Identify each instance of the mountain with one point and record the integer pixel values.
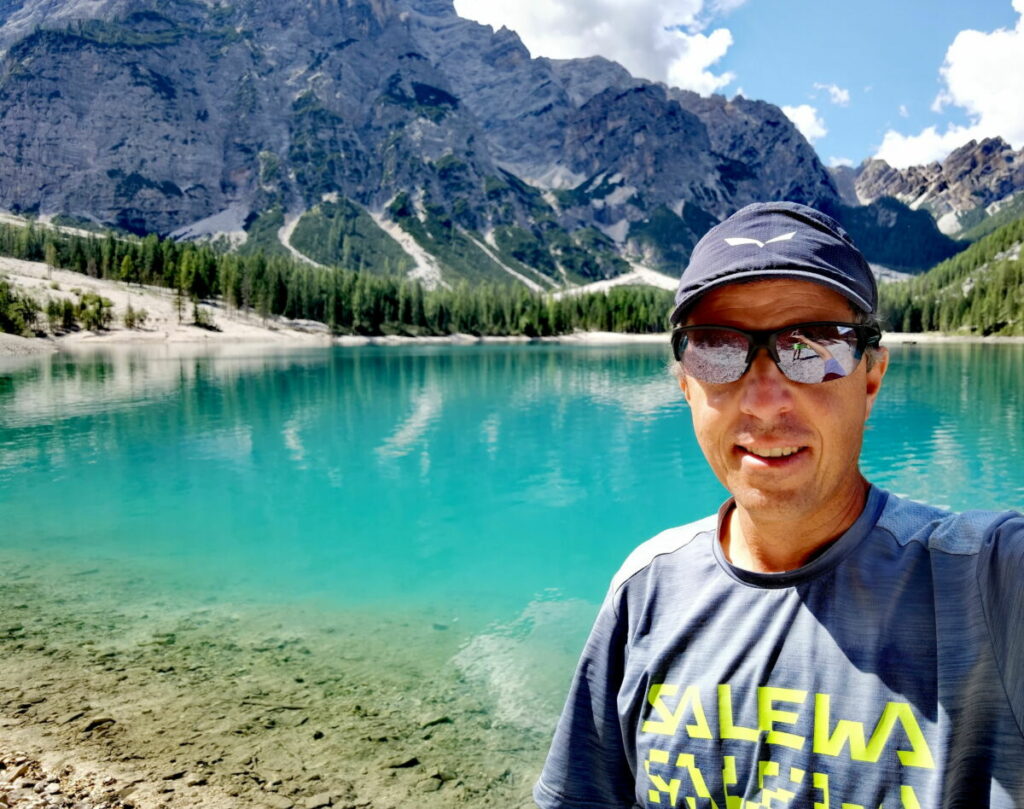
(974, 190)
(980, 291)
(387, 135)
(895, 236)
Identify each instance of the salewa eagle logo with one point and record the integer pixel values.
(738, 240)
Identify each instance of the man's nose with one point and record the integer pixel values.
(766, 392)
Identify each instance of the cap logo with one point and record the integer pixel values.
(735, 241)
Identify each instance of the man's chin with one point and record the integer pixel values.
(771, 501)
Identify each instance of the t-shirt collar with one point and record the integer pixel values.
(837, 551)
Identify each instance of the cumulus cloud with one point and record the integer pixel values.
(904, 112)
(650, 38)
(836, 94)
(806, 119)
(983, 75)
(834, 162)
(926, 146)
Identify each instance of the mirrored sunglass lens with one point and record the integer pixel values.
(714, 355)
(817, 353)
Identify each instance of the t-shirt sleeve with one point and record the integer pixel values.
(587, 766)
(1001, 580)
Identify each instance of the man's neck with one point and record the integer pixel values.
(769, 544)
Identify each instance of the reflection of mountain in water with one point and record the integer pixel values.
(464, 477)
(426, 407)
(58, 387)
(524, 664)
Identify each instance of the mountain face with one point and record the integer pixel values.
(360, 129)
(972, 184)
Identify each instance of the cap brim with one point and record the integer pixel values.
(750, 276)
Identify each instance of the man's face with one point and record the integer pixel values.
(737, 423)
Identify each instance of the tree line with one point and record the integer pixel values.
(980, 290)
(349, 302)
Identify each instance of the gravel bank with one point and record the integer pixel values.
(11, 345)
(112, 697)
(27, 783)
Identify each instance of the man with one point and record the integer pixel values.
(819, 643)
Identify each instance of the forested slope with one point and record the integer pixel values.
(349, 302)
(978, 291)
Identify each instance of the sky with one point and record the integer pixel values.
(906, 81)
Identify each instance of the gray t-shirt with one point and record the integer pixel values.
(889, 671)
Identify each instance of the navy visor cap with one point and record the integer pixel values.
(769, 240)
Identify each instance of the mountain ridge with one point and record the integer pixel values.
(187, 117)
(961, 191)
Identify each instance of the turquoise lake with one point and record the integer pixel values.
(484, 486)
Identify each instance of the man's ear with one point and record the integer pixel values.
(683, 386)
(874, 378)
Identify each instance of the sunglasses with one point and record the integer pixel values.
(804, 352)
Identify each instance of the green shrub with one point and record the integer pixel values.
(61, 314)
(95, 312)
(134, 318)
(18, 312)
(202, 318)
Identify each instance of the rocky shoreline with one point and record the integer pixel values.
(27, 783)
(114, 699)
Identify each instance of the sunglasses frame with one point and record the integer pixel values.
(867, 337)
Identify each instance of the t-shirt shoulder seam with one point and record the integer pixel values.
(666, 542)
(928, 546)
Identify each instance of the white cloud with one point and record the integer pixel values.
(983, 75)
(725, 6)
(806, 119)
(650, 39)
(840, 161)
(929, 145)
(689, 68)
(836, 94)
(904, 113)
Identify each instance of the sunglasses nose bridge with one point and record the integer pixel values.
(755, 342)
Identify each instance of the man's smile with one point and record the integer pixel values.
(762, 456)
(772, 452)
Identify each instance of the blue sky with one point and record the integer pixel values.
(906, 80)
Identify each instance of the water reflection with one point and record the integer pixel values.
(949, 425)
(355, 474)
(475, 476)
(426, 407)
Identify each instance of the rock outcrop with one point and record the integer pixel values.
(972, 183)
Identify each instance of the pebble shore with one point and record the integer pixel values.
(113, 696)
(27, 784)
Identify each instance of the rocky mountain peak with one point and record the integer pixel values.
(972, 182)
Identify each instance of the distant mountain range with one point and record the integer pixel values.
(396, 137)
(977, 188)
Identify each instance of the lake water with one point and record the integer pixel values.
(493, 488)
